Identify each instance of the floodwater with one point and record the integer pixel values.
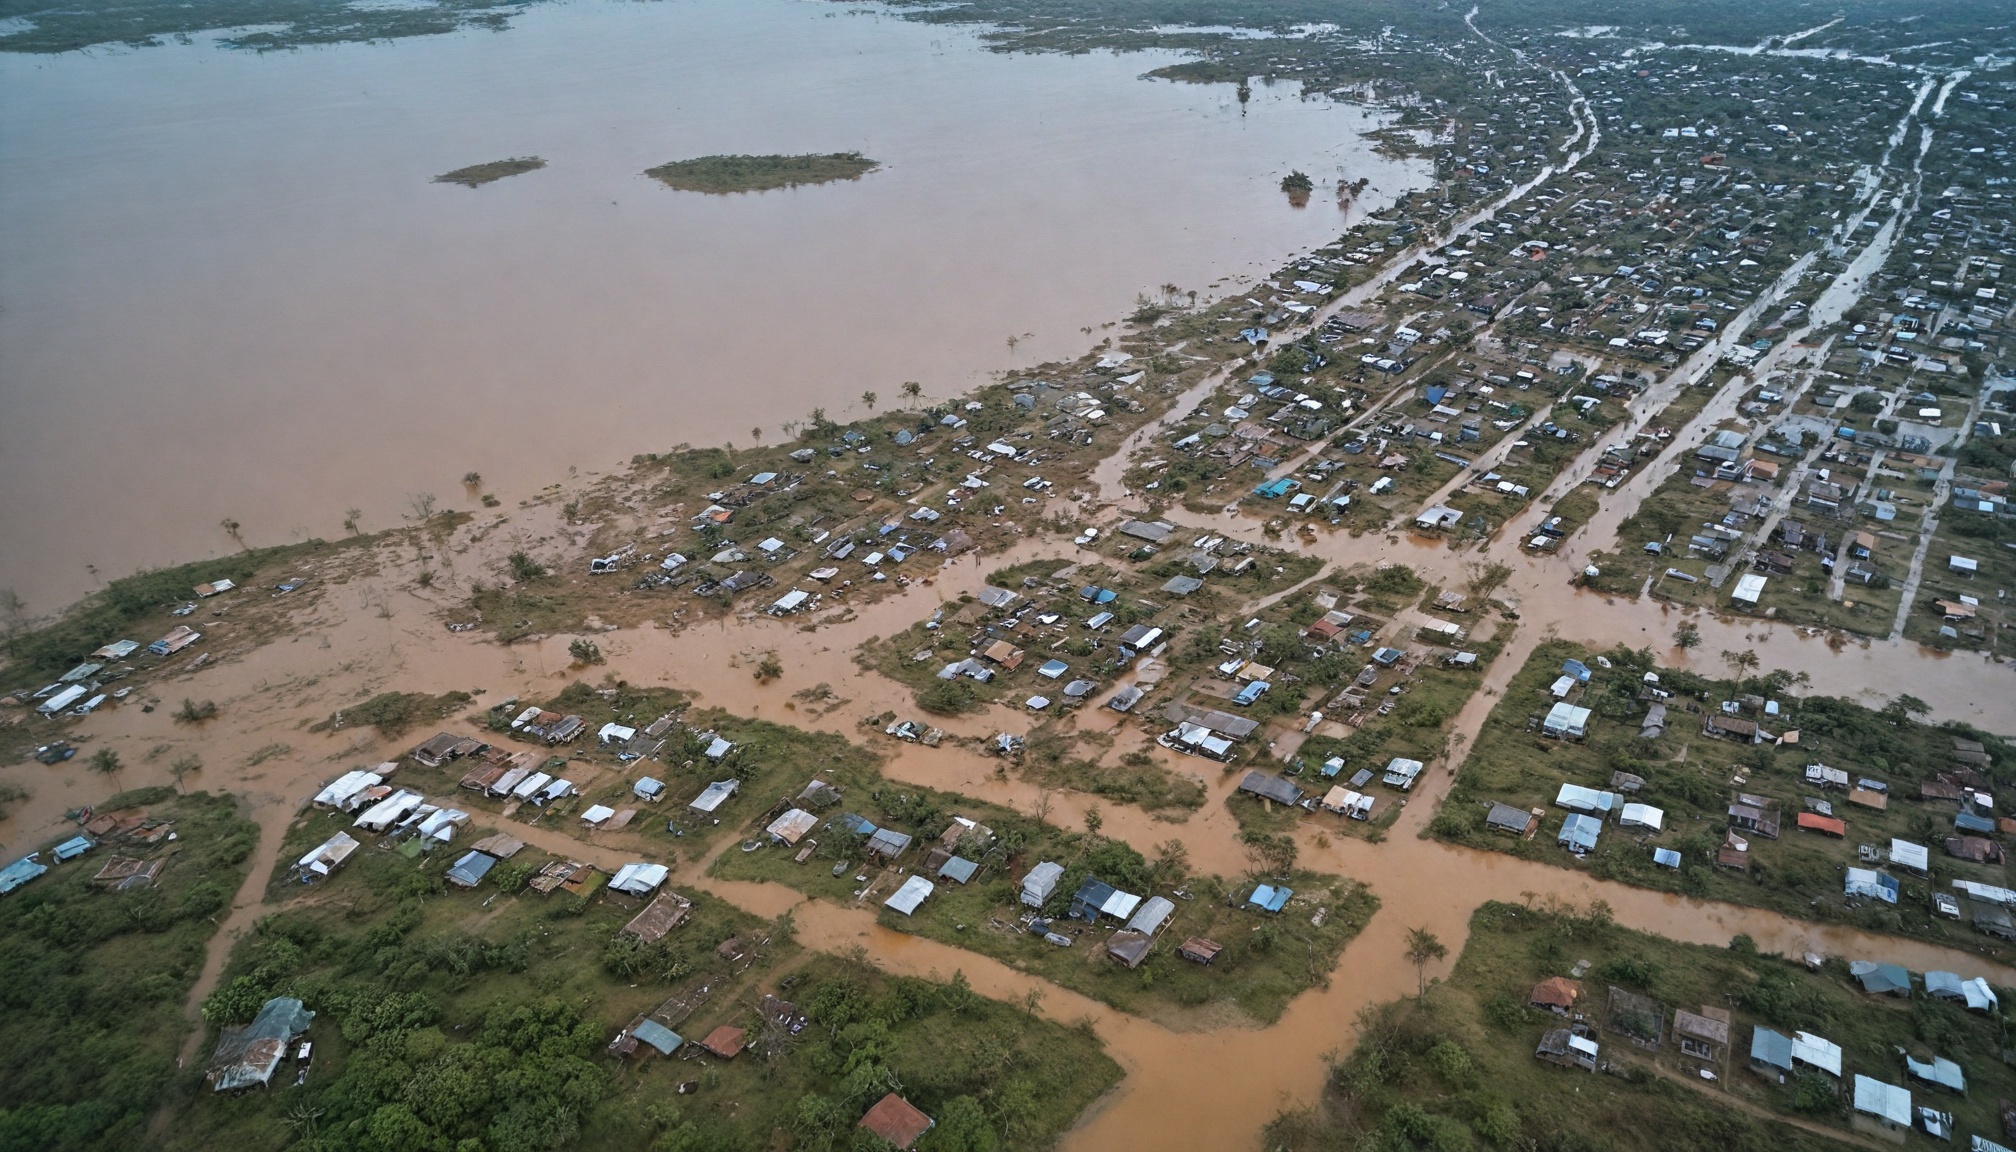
(228, 288)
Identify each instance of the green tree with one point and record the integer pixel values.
(1687, 636)
(1900, 710)
(962, 1127)
(105, 760)
(868, 398)
(1423, 949)
(183, 767)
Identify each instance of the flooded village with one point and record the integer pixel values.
(1529, 672)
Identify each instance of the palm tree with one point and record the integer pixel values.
(1423, 949)
(869, 399)
(912, 390)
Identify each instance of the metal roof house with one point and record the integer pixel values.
(1911, 857)
(895, 1120)
(1816, 1052)
(1506, 818)
(326, 857)
(1096, 898)
(1941, 1071)
(1642, 816)
(247, 1057)
(1887, 1104)
(912, 894)
(638, 879)
(1879, 979)
(1578, 833)
(1566, 720)
(1269, 898)
(1576, 798)
(1275, 788)
(715, 795)
(792, 826)
(471, 868)
(1041, 882)
(1871, 884)
(1402, 773)
(1770, 1054)
(20, 872)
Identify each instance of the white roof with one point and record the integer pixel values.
(1643, 816)
(1886, 1100)
(1905, 854)
(638, 879)
(1339, 799)
(1580, 799)
(1980, 996)
(1582, 1044)
(792, 825)
(1748, 588)
(441, 823)
(596, 814)
(1566, 717)
(329, 854)
(1120, 905)
(715, 795)
(910, 895)
(1041, 882)
(344, 787)
(530, 785)
(719, 748)
(1562, 687)
(1154, 912)
(1820, 1053)
(614, 731)
(381, 815)
(1401, 768)
(790, 601)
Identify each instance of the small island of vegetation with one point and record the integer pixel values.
(477, 175)
(720, 175)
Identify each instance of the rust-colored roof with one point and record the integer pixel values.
(724, 1041)
(1814, 822)
(1556, 992)
(895, 1120)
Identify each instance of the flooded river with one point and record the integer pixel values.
(229, 289)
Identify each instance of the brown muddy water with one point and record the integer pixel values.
(228, 287)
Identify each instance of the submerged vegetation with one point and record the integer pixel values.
(477, 175)
(721, 175)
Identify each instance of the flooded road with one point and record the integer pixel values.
(226, 278)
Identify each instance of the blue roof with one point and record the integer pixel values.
(1666, 856)
(1251, 692)
(20, 872)
(658, 1036)
(888, 842)
(1270, 898)
(856, 824)
(1580, 831)
(1435, 392)
(1575, 668)
(958, 868)
(1771, 1048)
(1333, 766)
(1092, 896)
(1969, 822)
(471, 868)
(72, 848)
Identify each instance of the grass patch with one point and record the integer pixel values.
(721, 175)
(393, 713)
(447, 1016)
(477, 175)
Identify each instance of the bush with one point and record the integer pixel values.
(524, 568)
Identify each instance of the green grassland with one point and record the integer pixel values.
(1267, 959)
(1455, 1068)
(477, 175)
(721, 175)
(1693, 779)
(91, 1010)
(478, 1019)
